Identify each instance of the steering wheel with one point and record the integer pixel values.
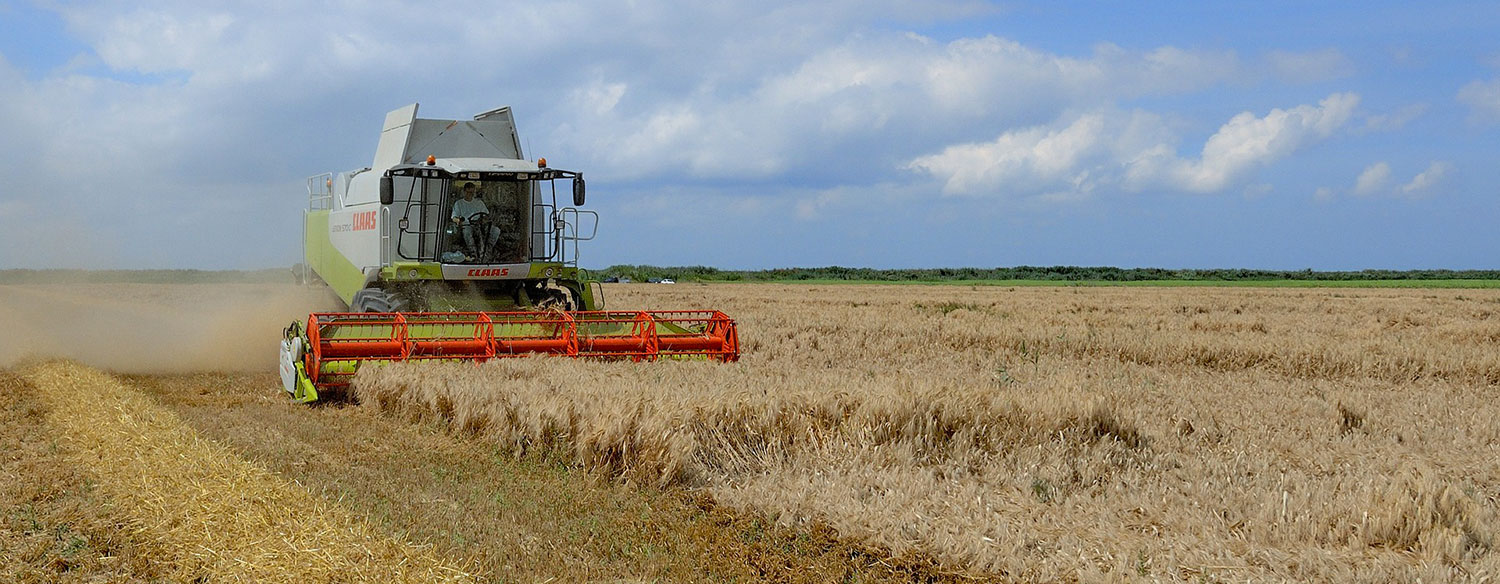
(480, 224)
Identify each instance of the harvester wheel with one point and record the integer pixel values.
(377, 300)
(556, 299)
(551, 296)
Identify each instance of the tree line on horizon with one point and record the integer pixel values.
(646, 273)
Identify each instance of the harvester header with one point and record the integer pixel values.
(453, 246)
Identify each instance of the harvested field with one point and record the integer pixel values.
(870, 433)
(530, 520)
(1049, 434)
(211, 515)
(56, 528)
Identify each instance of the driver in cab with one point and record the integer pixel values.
(465, 209)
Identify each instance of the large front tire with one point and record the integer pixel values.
(378, 300)
(553, 296)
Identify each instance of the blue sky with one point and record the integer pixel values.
(1278, 135)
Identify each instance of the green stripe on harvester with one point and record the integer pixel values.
(341, 274)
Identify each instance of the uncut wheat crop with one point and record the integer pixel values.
(1047, 434)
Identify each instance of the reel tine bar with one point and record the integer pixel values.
(339, 342)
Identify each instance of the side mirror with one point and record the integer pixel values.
(578, 191)
(387, 191)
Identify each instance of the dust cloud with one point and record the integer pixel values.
(154, 328)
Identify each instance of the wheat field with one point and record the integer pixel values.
(1047, 434)
(869, 433)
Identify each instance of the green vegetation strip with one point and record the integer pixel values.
(1014, 276)
(1065, 276)
(1176, 283)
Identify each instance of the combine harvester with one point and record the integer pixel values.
(452, 247)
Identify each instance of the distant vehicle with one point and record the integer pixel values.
(611, 280)
(624, 280)
(667, 281)
(653, 280)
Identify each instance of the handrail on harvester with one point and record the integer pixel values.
(338, 342)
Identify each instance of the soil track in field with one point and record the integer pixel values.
(54, 527)
(211, 515)
(518, 520)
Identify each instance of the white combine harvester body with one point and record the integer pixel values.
(363, 246)
(424, 282)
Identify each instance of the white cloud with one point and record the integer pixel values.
(179, 113)
(1428, 180)
(811, 208)
(1247, 142)
(988, 74)
(600, 98)
(1022, 160)
(1376, 180)
(1373, 179)
(1483, 99)
(732, 92)
(1135, 150)
(883, 95)
(1394, 120)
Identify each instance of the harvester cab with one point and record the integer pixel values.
(452, 245)
(450, 217)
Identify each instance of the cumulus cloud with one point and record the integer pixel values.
(1483, 99)
(187, 122)
(1393, 120)
(1373, 179)
(1024, 160)
(599, 97)
(1376, 180)
(1135, 150)
(1246, 143)
(1426, 182)
(745, 100)
(812, 207)
(855, 96)
(983, 75)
